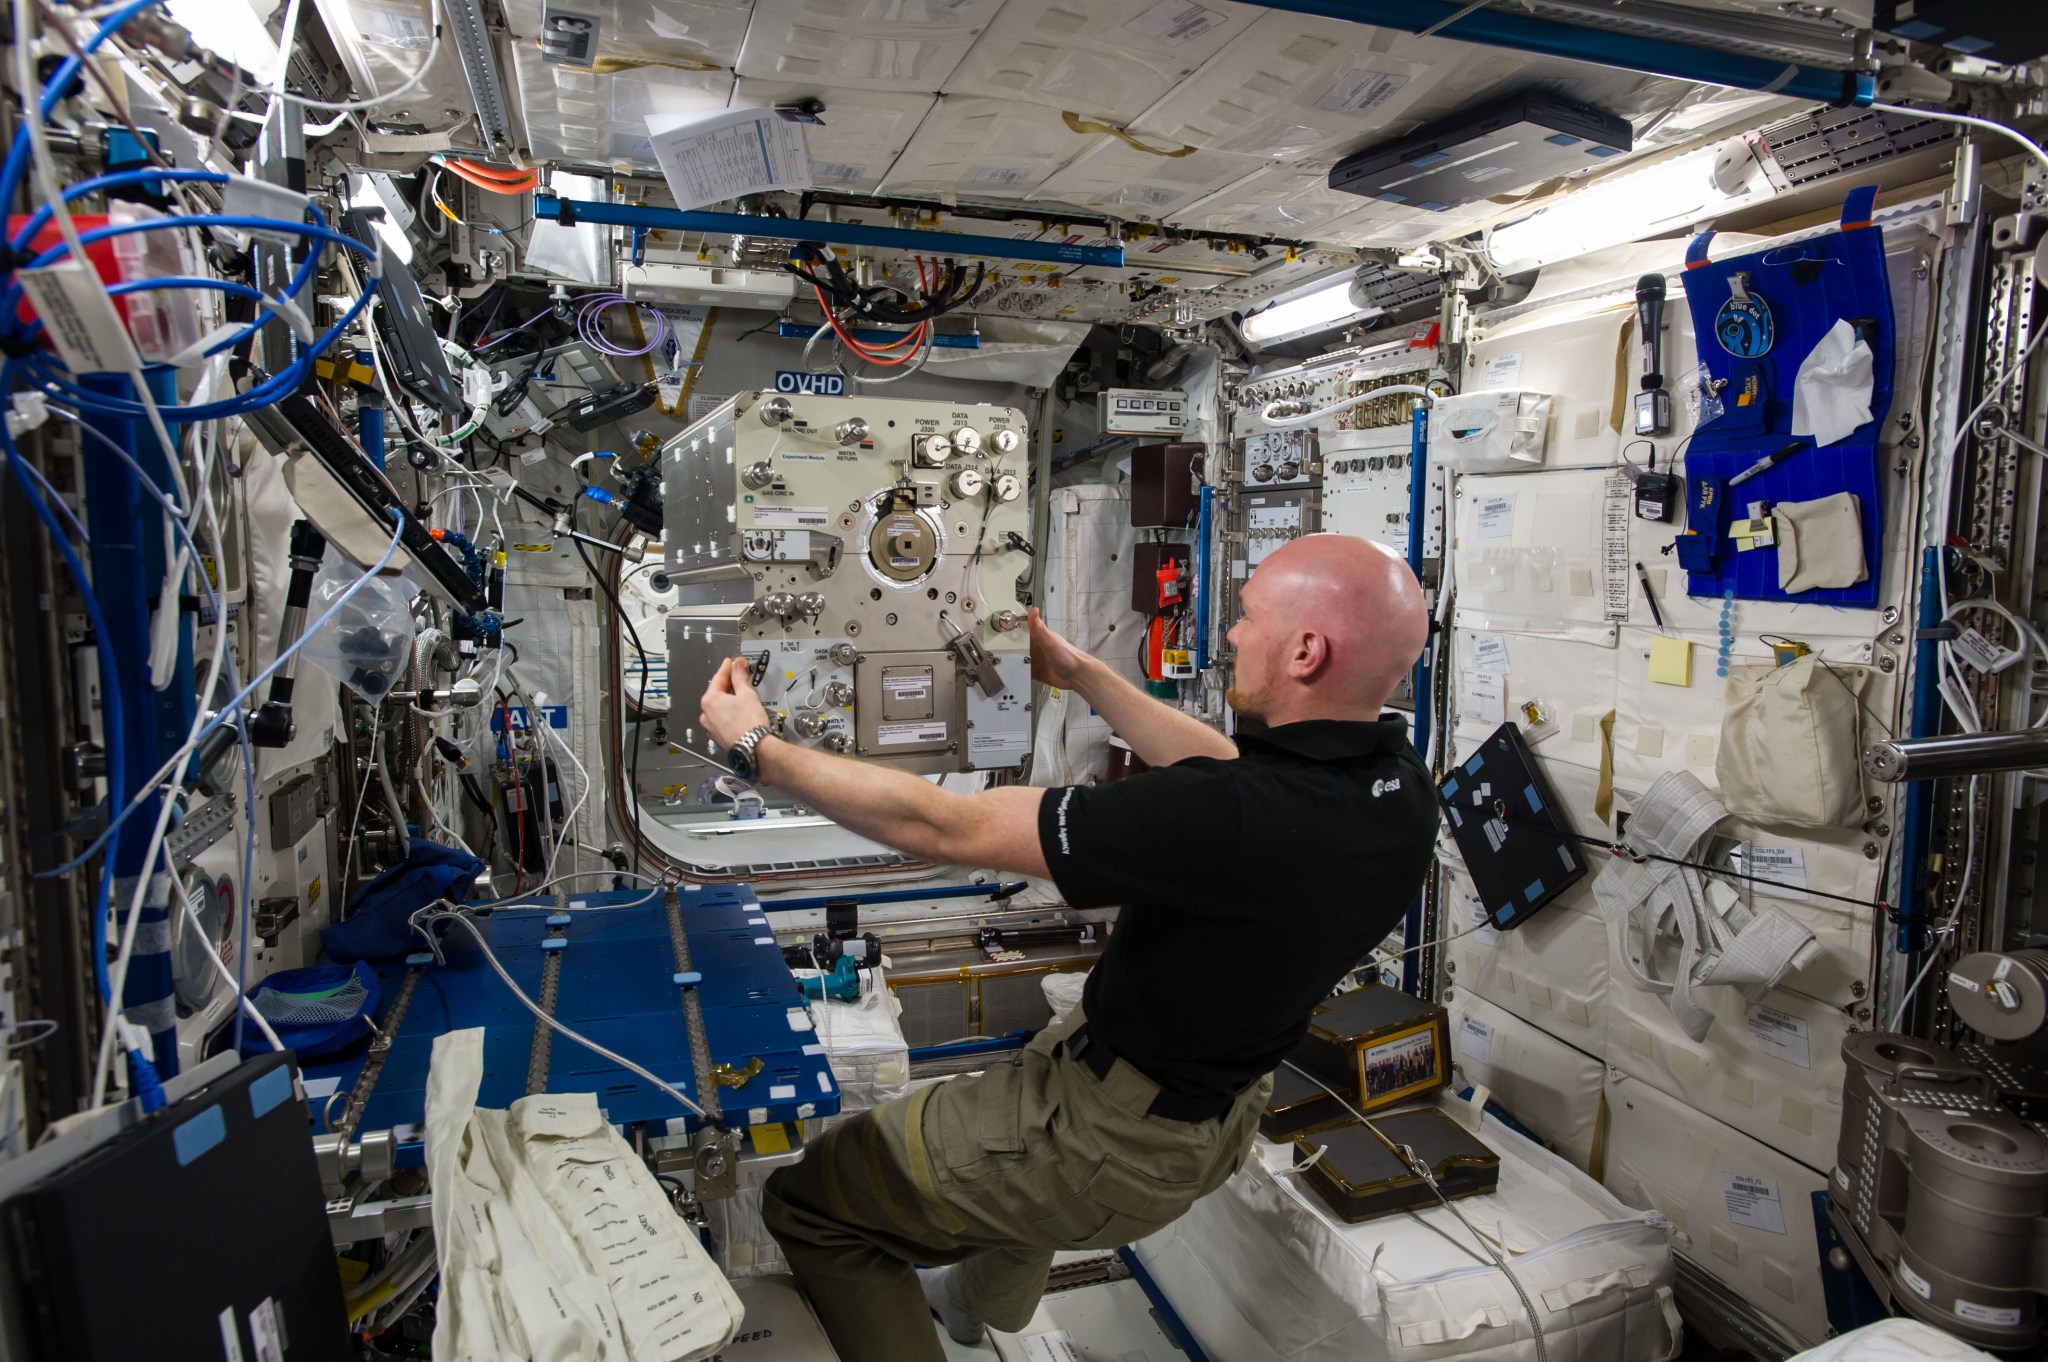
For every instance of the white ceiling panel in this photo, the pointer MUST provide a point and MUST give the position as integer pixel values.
(984, 148)
(1114, 178)
(573, 115)
(863, 133)
(652, 56)
(904, 45)
(1279, 200)
(1107, 59)
(1296, 88)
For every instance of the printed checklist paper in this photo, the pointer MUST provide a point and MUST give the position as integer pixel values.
(726, 153)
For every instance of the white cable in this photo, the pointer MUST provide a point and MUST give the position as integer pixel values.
(213, 957)
(1949, 923)
(491, 958)
(288, 37)
(2027, 144)
(1391, 390)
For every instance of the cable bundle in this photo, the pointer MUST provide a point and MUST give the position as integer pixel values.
(590, 325)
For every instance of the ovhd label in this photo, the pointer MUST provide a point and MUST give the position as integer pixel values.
(810, 385)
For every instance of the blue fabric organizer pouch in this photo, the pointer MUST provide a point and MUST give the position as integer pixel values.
(1757, 317)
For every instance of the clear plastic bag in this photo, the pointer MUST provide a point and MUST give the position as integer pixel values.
(367, 644)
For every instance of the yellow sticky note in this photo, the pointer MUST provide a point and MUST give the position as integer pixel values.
(770, 1139)
(1671, 661)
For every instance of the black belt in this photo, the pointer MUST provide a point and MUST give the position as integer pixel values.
(1174, 1106)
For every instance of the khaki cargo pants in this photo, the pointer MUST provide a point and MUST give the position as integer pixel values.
(995, 1173)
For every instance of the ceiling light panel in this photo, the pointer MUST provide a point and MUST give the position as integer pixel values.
(902, 45)
(1107, 59)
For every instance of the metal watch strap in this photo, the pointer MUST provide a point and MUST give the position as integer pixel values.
(742, 754)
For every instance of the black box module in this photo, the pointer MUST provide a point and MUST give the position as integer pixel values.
(1487, 151)
(1509, 829)
(198, 1235)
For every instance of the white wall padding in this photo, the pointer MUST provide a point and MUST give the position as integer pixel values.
(1088, 600)
(1571, 681)
(1742, 1211)
(1772, 1071)
(1551, 971)
(1528, 552)
(1260, 1272)
(1545, 1084)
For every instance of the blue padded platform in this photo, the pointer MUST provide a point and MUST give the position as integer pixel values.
(1808, 287)
(617, 986)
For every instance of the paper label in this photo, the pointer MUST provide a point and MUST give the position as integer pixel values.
(987, 743)
(1617, 571)
(1753, 1203)
(1174, 22)
(712, 157)
(1482, 696)
(1781, 1036)
(2007, 1317)
(703, 404)
(266, 1332)
(230, 1336)
(1053, 1346)
(914, 687)
(1358, 92)
(1496, 517)
(1784, 866)
(1502, 371)
(894, 735)
(317, 1088)
(1915, 1283)
(78, 316)
(391, 27)
(791, 517)
(1490, 653)
(1475, 1040)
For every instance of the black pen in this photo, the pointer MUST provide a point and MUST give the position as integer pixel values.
(1644, 578)
(1766, 463)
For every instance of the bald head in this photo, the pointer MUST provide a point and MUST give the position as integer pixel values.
(1331, 624)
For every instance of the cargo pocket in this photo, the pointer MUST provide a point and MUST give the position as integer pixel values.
(976, 1127)
(1119, 1203)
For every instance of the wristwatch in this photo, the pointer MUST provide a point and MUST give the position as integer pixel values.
(740, 756)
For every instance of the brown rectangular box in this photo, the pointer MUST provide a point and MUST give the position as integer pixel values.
(1163, 492)
(1378, 1046)
(1360, 1176)
(1146, 561)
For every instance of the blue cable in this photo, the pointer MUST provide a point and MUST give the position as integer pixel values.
(279, 386)
(170, 507)
(53, 94)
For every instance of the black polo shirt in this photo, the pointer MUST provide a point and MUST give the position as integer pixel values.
(1248, 887)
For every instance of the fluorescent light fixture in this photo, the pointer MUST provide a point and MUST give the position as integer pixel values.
(232, 29)
(1628, 206)
(1327, 305)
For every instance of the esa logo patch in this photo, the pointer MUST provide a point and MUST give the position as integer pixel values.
(1380, 787)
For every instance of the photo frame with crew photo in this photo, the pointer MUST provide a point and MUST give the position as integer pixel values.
(1405, 1062)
